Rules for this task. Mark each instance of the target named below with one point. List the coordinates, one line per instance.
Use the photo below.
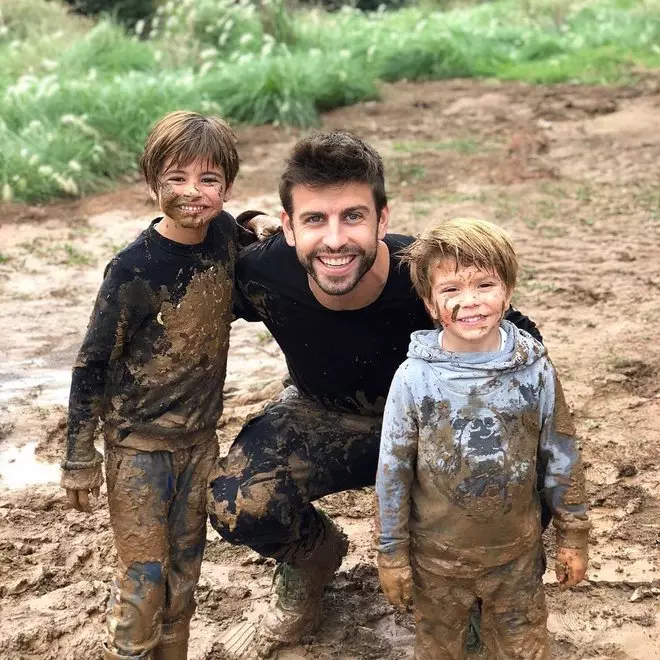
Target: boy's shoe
(295, 601)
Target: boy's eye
(210, 180)
(487, 285)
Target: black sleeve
(121, 306)
(524, 323)
(245, 236)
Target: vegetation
(77, 100)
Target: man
(341, 307)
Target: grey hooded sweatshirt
(457, 474)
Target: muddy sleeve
(523, 322)
(396, 470)
(121, 306)
(562, 466)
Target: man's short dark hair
(329, 159)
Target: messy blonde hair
(464, 242)
(183, 137)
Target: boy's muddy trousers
(513, 623)
(157, 503)
(294, 453)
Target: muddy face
(191, 196)
(335, 231)
(469, 303)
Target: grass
(77, 99)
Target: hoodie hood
(465, 371)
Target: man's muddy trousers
(157, 502)
(297, 451)
(513, 612)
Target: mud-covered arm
(523, 322)
(563, 474)
(256, 226)
(396, 470)
(121, 306)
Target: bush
(128, 12)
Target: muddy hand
(396, 584)
(79, 499)
(571, 566)
(264, 226)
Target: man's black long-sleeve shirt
(344, 360)
(153, 362)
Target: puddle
(41, 386)
(19, 468)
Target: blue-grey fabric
(462, 434)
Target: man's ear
(153, 195)
(287, 227)
(383, 222)
(228, 191)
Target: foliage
(77, 99)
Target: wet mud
(583, 211)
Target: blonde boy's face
(193, 195)
(469, 303)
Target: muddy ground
(571, 171)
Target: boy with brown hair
(152, 367)
(469, 413)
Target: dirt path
(572, 172)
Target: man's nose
(335, 237)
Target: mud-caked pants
(513, 612)
(297, 451)
(157, 502)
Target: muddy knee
(253, 513)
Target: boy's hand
(79, 484)
(264, 226)
(571, 566)
(396, 584)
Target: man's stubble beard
(366, 261)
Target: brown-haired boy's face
(335, 230)
(192, 195)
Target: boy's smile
(469, 303)
(190, 197)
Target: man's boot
(173, 642)
(297, 589)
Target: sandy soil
(571, 171)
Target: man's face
(193, 195)
(469, 303)
(335, 231)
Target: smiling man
(333, 293)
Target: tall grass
(77, 99)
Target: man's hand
(396, 584)
(571, 566)
(264, 226)
(80, 483)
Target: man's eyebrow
(308, 214)
(352, 209)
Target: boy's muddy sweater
(153, 362)
(462, 434)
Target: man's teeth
(336, 261)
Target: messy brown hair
(335, 158)
(464, 242)
(182, 137)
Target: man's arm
(564, 479)
(523, 322)
(396, 471)
(120, 306)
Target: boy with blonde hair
(152, 367)
(469, 414)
